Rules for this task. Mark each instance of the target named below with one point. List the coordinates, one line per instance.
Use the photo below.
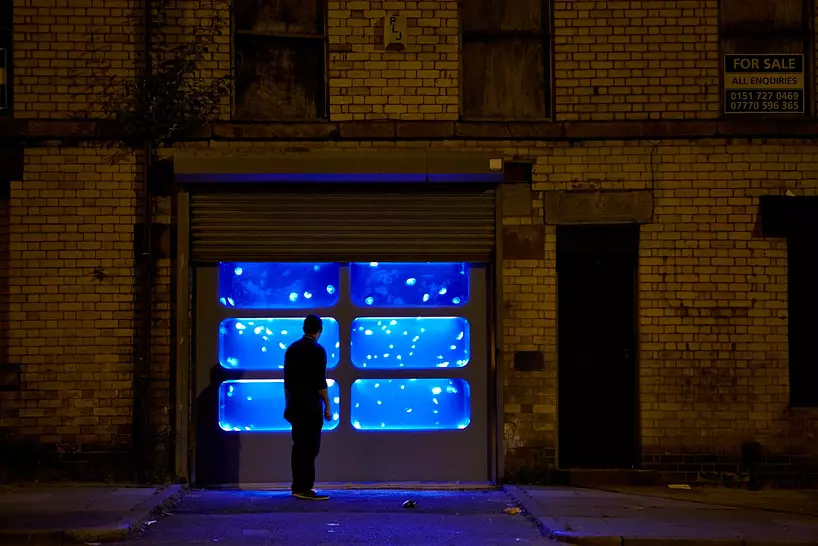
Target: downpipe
(145, 268)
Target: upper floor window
(771, 38)
(279, 57)
(505, 59)
(5, 57)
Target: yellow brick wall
(72, 331)
(368, 83)
(712, 292)
(64, 50)
(614, 60)
(621, 60)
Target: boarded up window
(765, 27)
(280, 48)
(5, 57)
(505, 59)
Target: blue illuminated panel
(260, 343)
(377, 284)
(248, 285)
(413, 343)
(410, 404)
(257, 405)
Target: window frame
(7, 43)
(322, 110)
(546, 35)
(807, 38)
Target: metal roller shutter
(418, 224)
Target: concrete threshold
(341, 486)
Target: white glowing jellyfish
(460, 336)
(308, 295)
(239, 326)
(337, 399)
(442, 291)
(425, 297)
(456, 301)
(368, 332)
(258, 329)
(411, 281)
(369, 300)
(330, 289)
(436, 390)
(293, 296)
(264, 349)
(238, 271)
(223, 301)
(373, 264)
(282, 346)
(231, 302)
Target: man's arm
(323, 392)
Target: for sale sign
(764, 84)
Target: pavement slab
(627, 517)
(77, 514)
(254, 518)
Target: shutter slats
(418, 225)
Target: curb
(127, 527)
(553, 529)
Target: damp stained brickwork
(712, 291)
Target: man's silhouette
(305, 389)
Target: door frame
(183, 418)
(637, 353)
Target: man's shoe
(309, 495)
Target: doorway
(596, 322)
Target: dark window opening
(279, 60)
(505, 65)
(803, 318)
(768, 27)
(6, 37)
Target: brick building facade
(599, 98)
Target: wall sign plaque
(598, 207)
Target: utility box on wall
(394, 32)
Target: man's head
(313, 326)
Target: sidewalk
(654, 516)
(77, 514)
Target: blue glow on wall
(279, 285)
(260, 343)
(410, 404)
(419, 284)
(388, 343)
(257, 405)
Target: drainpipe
(144, 262)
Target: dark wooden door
(597, 404)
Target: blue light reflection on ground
(260, 343)
(410, 342)
(279, 285)
(410, 404)
(257, 405)
(375, 284)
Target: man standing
(305, 389)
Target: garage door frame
(184, 428)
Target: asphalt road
(251, 518)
